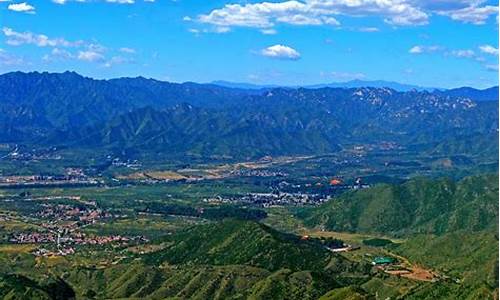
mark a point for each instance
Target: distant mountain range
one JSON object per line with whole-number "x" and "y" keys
{"x": 489, "y": 94}
{"x": 475, "y": 94}
{"x": 139, "y": 114}
{"x": 348, "y": 84}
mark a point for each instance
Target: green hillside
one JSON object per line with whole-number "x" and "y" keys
{"x": 198, "y": 282}
{"x": 224, "y": 260}
{"x": 469, "y": 259}
{"x": 244, "y": 243}
{"x": 419, "y": 205}
{"x": 14, "y": 286}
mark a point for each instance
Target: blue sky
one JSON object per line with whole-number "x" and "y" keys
{"x": 439, "y": 43}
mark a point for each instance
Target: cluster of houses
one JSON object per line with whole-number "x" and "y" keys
{"x": 60, "y": 227}
{"x": 272, "y": 199}
{"x": 131, "y": 164}
{"x": 71, "y": 213}
{"x": 46, "y": 180}
{"x": 257, "y": 173}
{"x": 66, "y": 245}
{"x": 24, "y": 154}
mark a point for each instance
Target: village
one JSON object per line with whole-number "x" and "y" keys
{"x": 58, "y": 228}
{"x": 271, "y": 199}
{"x": 71, "y": 177}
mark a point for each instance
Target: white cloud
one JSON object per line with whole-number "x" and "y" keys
{"x": 268, "y": 31}
{"x": 108, "y": 1}
{"x": 368, "y": 29}
{"x": 313, "y": 12}
{"x": 492, "y": 67}
{"x": 7, "y": 59}
{"x": 424, "y": 49}
{"x": 343, "y": 76}
{"x": 396, "y": 12}
{"x": 22, "y": 7}
{"x": 90, "y": 56}
{"x": 117, "y": 60}
{"x": 472, "y": 14}
{"x": 127, "y": 50}
{"x": 281, "y": 52}
{"x": 266, "y": 14}
{"x": 15, "y": 38}
{"x": 416, "y": 50}
{"x": 61, "y": 53}
{"x": 121, "y": 1}
{"x": 463, "y": 53}
{"x": 221, "y": 29}
{"x": 488, "y": 49}
{"x": 325, "y": 12}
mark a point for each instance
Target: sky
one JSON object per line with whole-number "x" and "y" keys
{"x": 431, "y": 43}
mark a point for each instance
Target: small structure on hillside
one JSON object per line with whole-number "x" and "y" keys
{"x": 335, "y": 181}
{"x": 383, "y": 260}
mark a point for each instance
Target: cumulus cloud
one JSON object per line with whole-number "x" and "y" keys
{"x": 267, "y": 14}
{"x": 467, "y": 53}
{"x": 117, "y": 60}
{"x": 325, "y": 12}
{"x": 90, "y": 56}
{"x": 269, "y": 31}
{"x": 62, "y": 49}
{"x": 472, "y": 14}
{"x": 462, "y": 54}
{"x": 488, "y": 49}
{"x": 281, "y": 52}
{"x": 127, "y": 50}
{"x": 312, "y": 12}
{"x": 343, "y": 76}
{"x": 492, "y": 67}
{"x": 424, "y": 49}
{"x": 121, "y": 1}
{"x": 416, "y": 50}
{"x": 8, "y": 59}
{"x": 109, "y": 1}
{"x": 15, "y": 38}
{"x": 368, "y": 29}
{"x": 57, "y": 54}
{"x": 22, "y": 7}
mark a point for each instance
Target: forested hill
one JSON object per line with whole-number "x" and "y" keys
{"x": 419, "y": 205}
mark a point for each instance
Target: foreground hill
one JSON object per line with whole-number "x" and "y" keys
{"x": 224, "y": 260}
{"x": 450, "y": 227}
{"x": 419, "y": 205}
{"x": 138, "y": 281}
{"x": 21, "y": 287}
{"x": 242, "y": 243}
{"x": 148, "y": 115}
{"x": 470, "y": 259}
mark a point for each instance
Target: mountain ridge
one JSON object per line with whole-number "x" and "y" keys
{"x": 69, "y": 109}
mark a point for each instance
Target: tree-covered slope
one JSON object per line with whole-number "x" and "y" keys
{"x": 147, "y": 115}
{"x": 139, "y": 281}
{"x": 469, "y": 259}
{"x": 419, "y": 205}
{"x": 249, "y": 243}
{"x": 15, "y": 286}
{"x": 223, "y": 260}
